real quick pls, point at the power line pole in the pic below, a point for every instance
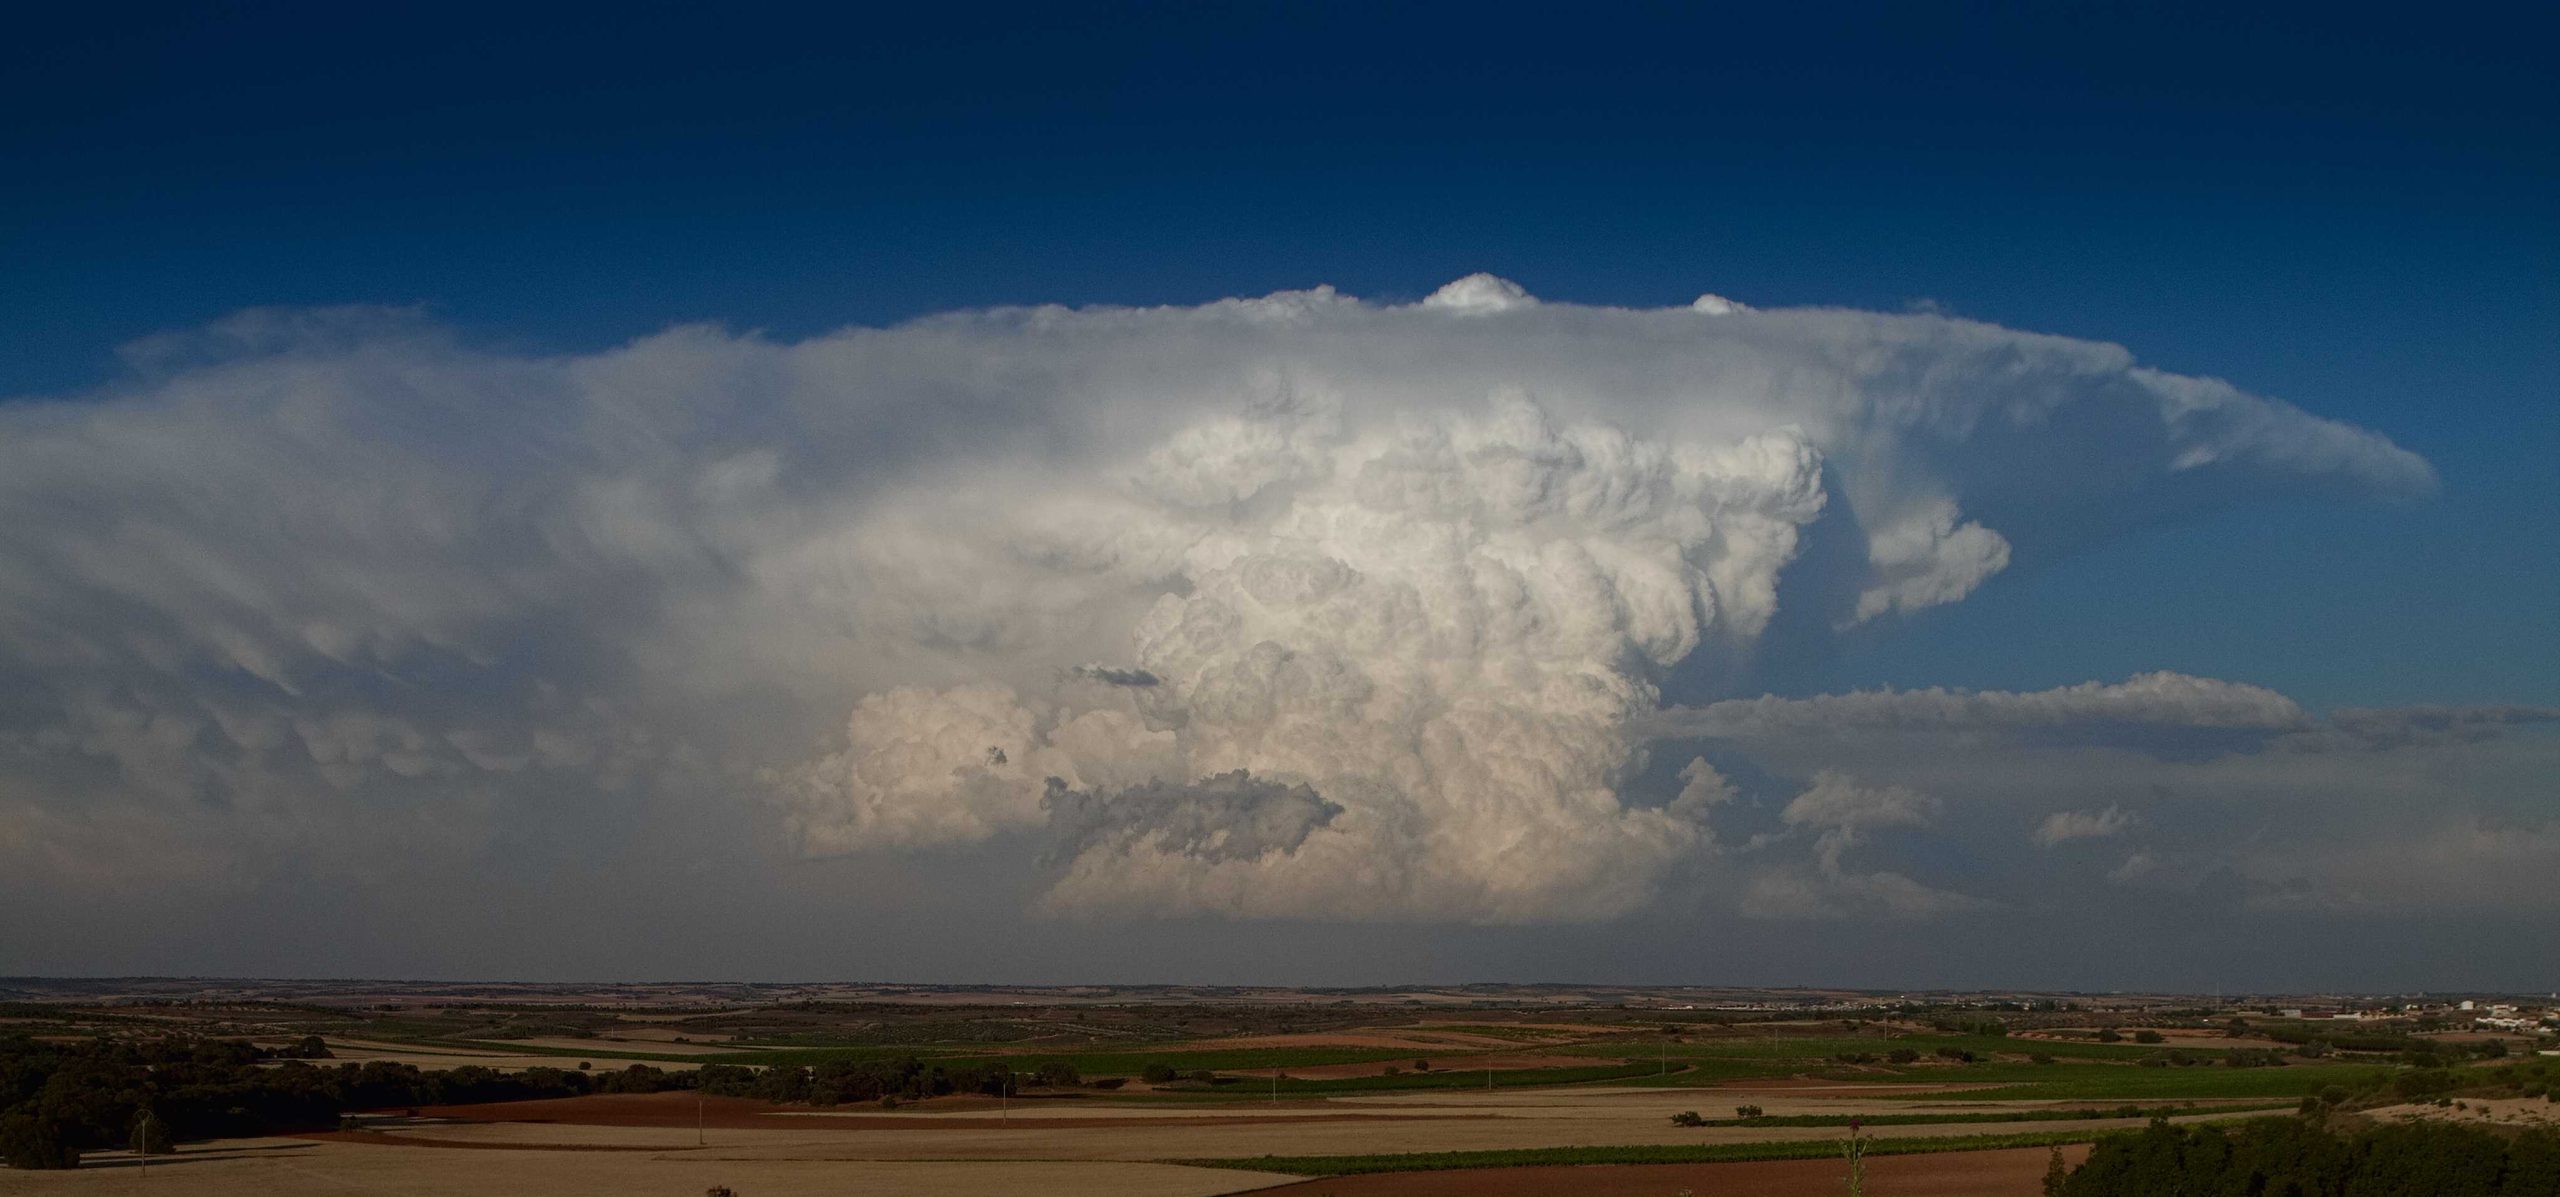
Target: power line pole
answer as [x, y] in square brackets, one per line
[698, 1139]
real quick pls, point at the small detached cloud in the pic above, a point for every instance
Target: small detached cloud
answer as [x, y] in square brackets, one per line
[2063, 826]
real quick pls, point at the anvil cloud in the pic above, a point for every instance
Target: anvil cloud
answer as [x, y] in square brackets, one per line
[1293, 606]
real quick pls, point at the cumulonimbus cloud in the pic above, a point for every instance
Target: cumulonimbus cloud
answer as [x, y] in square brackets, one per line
[1423, 568]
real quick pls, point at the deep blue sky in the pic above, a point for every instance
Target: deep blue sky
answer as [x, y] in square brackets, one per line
[2356, 212]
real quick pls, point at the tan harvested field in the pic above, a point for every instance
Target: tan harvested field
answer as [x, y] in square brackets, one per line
[1097, 1131]
[304, 1168]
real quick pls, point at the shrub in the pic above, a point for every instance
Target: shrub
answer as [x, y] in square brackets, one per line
[2147, 1035]
[2109, 1035]
[1747, 1111]
[1158, 1074]
[35, 1144]
[1058, 1074]
[1902, 1055]
[1687, 1118]
[2421, 1082]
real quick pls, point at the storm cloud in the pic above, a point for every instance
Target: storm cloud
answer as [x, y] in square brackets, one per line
[1404, 583]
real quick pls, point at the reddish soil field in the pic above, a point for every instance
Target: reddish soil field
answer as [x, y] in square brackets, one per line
[2013, 1173]
[676, 1110]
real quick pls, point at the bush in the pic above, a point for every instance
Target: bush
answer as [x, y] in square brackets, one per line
[1747, 1111]
[1902, 1055]
[1058, 1074]
[1687, 1118]
[35, 1144]
[1158, 1074]
[1422, 1066]
[2109, 1035]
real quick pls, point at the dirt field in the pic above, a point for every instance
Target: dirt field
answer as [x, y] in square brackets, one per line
[1956, 1174]
[303, 1168]
[2502, 1111]
[627, 1144]
[1099, 1131]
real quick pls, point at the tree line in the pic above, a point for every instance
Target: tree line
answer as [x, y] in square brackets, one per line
[58, 1100]
[2284, 1157]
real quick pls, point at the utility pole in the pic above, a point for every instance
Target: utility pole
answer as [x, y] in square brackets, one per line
[698, 1139]
[1004, 1097]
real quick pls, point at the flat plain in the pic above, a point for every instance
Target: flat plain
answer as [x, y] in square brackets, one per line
[1139, 1093]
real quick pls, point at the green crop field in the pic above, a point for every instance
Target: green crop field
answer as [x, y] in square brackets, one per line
[2063, 1082]
[1822, 1048]
[1457, 1078]
[1705, 1153]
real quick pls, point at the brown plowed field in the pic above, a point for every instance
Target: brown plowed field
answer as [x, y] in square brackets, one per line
[2014, 1173]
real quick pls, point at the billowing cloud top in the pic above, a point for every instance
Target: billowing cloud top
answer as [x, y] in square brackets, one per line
[1298, 605]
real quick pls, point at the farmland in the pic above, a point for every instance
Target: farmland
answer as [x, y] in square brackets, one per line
[1126, 1091]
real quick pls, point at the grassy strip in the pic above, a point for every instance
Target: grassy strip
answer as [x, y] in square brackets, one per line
[1821, 1048]
[453, 1048]
[1704, 1153]
[2102, 1083]
[1451, 1078]
[2088, 1115]
[1089, 1064]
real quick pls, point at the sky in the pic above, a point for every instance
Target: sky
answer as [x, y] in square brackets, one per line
[1911, 495]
